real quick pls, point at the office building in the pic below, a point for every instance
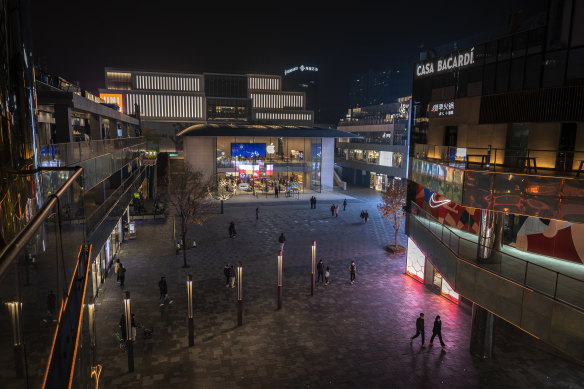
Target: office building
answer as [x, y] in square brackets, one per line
[306, 79]
[381, 86]
[496, 198]
[380, 154]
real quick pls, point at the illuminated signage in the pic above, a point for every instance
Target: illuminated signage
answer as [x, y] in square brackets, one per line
[386, 158]
[415, 261]
[452, 62]
[271, 149]
[443, 109]
[112, 98]
[302, 68]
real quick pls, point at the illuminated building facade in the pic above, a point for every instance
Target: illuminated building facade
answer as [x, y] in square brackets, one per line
[496, 193]
[379, 155]
[306, 79]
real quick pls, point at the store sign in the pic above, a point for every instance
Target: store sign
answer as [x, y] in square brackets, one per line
[112, 98]
[302, 68]
[386, 158]
[271, 149]
[243, 186]
[440, 65]
[443, 109]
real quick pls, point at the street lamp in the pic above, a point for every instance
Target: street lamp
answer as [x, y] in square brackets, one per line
[239, 293]
[15, 309]
[312, 281]
[91, 313]
[280, 280]
[190, 310]
[128, 315]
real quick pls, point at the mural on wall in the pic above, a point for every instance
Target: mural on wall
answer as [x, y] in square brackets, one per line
[448, 212]
[553, 238]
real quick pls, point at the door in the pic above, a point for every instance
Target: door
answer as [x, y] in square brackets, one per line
[450, 136]
[565, 156]
[516, 144]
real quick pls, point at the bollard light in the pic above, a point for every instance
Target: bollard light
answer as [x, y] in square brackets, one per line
[312, 280]
[190, 310]
[128, 314]
[91, 313]
[15, 309]
[239, 293]
[280, 269]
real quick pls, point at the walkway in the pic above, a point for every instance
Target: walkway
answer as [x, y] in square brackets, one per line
[346, 336]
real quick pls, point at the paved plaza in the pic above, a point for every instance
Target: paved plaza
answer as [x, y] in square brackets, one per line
[346, 336]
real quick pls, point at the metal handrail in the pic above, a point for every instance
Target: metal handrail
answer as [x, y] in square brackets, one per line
[426, 215]
[17, 244]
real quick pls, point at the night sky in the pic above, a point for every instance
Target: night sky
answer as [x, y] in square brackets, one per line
[77, 39]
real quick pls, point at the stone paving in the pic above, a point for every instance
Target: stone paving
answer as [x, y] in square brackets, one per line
[346, 336]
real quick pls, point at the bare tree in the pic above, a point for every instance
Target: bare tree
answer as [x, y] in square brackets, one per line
[188, 194]
[391, 207]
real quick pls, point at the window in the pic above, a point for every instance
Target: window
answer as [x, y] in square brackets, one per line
[575, 74]
[519, 43]
[559, 23]
[504, 49]
[502, 76]
[532, 71]
[516, 79]
[535, 40]
[489, 79]
[578, 26]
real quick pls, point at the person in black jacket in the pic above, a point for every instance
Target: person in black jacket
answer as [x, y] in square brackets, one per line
[282, 239]
[437, 330]
[419, 329]
[320, 268]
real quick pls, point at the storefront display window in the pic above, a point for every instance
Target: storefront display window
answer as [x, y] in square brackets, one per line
[415, 262]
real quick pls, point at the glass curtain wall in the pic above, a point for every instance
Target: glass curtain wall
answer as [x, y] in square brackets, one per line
[256, 165]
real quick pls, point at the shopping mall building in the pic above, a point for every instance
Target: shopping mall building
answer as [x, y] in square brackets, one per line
[240, 126]
[496, 197]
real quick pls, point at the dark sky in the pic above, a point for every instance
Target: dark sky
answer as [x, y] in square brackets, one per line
[77, 39]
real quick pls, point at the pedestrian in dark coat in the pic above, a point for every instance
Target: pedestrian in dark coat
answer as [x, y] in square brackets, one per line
[282, 239]
[276, 190]
[257, 213]
[344, 204]
[353, 270]
[437, 330]
[419, 329]
[232, 232]
[163, 287]
[122, 272]
[333, 210]
[122, 325]
[232, 276]
[314, 202]
[226, 274]
[320, 269]
[362, 216]
[366, 215]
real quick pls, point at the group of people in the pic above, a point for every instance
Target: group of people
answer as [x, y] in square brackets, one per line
[312, 202]
[229, 273]
[323, 276]
[120, 271]
[364, 216]
[436, 331]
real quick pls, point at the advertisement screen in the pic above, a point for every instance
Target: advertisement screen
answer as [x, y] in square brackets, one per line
[250, 150]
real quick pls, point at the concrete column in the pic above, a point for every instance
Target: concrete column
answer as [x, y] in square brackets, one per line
[490, 236]
[481, 336]
[327, 163]
[95, 127]
[63, 126]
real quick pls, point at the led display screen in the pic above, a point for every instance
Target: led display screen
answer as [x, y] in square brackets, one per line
[250, 150]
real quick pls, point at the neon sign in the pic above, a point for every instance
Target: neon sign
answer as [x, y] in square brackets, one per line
[302, 68]
[452, 62]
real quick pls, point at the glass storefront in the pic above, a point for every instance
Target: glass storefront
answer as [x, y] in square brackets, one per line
[256, 165]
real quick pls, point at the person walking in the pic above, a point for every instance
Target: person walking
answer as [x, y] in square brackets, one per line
[232, 276]
[257, 213]
[332, 210]
[344, 204]
[314, 202]
[134, 326]
[276, 190]
[282, 239]
[366, 215]
[232, 232]
[122, 272]
[437, 330]
[116, 269]
[419, 329]
[362, 216]
[163, 287]
[337, 210]
[226, 274]
[122, 325]
[51, 307]
[352, 270]
[320, 269]
[327, 274]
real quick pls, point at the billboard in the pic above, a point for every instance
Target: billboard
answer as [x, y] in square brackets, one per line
[250, 150]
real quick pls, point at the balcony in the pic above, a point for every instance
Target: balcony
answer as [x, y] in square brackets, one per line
[496, 181]
[99, 159]
[541, 295]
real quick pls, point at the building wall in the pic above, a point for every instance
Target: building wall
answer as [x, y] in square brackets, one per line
[199, 152]
[327, 163]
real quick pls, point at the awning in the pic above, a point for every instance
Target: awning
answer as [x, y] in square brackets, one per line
[259, 130]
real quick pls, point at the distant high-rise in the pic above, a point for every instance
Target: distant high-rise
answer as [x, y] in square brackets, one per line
[375, 87]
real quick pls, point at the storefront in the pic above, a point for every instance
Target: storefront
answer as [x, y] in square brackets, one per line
[254, 159]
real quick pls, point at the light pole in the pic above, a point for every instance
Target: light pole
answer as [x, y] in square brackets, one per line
[91, 313]
[239, 293]
[15, 308]
[312, 281]
[190, 310]
[280, 280]
[127, 313]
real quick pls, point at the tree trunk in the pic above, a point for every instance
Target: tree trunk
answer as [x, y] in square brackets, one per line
[396, 231]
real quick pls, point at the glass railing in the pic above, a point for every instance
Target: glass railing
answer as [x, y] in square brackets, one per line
[559, 286]
[532, 161]
[35, 273]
